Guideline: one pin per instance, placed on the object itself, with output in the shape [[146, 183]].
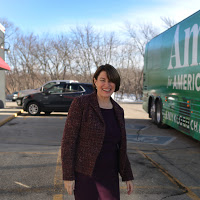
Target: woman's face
[[104, 87]]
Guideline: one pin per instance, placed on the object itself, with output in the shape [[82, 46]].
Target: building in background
[[3, 66]]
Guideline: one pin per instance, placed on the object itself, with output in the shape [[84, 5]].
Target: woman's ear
[[95, 81]]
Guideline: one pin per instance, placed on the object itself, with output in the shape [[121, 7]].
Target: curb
[[11, 117]]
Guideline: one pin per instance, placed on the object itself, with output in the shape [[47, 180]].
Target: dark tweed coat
[[84, 135]]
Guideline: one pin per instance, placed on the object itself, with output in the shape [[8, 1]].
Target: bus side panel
[[172, 73]]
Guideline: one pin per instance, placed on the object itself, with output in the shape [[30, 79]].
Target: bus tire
[[158, 115], [152, 111]]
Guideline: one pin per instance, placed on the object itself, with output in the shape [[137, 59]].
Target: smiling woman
[[106, 81], [93, 147]]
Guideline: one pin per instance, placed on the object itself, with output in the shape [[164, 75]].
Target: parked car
[[15, 95], [57, 98], [12, 97], [23, 93]]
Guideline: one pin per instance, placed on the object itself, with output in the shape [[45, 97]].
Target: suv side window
[[88, 87], [57, 88], [73, 88]]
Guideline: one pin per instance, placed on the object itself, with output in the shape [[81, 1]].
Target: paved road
[[28, 157], [164, 161]]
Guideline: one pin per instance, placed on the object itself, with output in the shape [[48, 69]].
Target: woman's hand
[[69, 186], [130, 187]]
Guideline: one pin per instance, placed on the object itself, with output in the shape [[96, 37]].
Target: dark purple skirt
[[87, 188]]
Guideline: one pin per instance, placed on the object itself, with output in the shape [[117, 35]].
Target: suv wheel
[[33, 108]]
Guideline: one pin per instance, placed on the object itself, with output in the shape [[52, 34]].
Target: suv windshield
[[47, 86]]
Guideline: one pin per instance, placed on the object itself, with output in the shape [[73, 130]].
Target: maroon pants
[[87, 188]]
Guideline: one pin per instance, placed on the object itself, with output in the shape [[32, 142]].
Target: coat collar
[[94, 103]]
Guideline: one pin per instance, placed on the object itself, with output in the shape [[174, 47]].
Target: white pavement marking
[[26, 186]]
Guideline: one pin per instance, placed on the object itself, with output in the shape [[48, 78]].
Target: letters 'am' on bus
[[171, 90]]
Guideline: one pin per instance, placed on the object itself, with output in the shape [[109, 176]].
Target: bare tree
[[40, 53], [13, 77], [11, 29], [10, 34], [168, 22], [27, 64], [139, 36], [110, 48], [128, 65], [84, 39], [66, 51], [76, 55], [92, 49]]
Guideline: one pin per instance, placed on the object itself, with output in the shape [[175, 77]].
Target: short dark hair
[[112, 74]]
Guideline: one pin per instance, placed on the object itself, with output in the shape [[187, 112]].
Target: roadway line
[[10, 117], [57, 197], [174, 180], [58, 181], [26, 186], [41, 117], [194, 187], [178, 150], [37, 153]]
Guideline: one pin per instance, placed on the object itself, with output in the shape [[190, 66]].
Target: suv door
[[53, 99], [71, 91]]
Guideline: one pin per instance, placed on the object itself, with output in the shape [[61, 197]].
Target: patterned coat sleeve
[[70, 134], [126, 173]]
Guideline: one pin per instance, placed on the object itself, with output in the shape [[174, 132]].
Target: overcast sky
[[55, 16]]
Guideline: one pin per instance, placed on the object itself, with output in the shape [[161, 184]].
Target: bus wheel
[[158, 115], [152, 111]]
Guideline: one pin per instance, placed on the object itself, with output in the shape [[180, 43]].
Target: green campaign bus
[[171, 78]]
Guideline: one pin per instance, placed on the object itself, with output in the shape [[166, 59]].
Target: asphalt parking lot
[[165, 162]]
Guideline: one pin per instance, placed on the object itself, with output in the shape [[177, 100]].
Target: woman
[[93, 147]]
